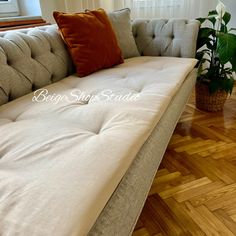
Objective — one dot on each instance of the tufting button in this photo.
(153, 36)
(97, 132)
(33, 87)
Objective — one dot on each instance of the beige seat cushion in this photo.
(60, 163)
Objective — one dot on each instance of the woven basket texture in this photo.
(209, 102)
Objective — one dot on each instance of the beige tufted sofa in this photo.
(85, 168)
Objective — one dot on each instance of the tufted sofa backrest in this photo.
(160, 37)
(33, 58)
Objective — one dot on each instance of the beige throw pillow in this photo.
(121, 23)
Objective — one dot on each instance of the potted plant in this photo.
(216, 52)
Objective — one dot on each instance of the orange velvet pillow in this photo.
(90, 39)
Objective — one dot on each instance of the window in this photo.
(9, 8)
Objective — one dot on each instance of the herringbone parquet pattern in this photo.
(194, 191)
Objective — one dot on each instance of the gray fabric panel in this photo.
(159, 37)
(121, 24)
(122, 210)
(31, 59)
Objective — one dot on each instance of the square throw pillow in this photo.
(121, 24)
(90, 39)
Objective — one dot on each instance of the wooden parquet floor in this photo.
(194, 191)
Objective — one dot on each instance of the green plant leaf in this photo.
(225, 84)
(223, 28)
(212, 20)
(210, 46)
(214, 86)
(203, 60)
(228, 84)
(227, 17)
(200, 56)
(200, 68)
(233, 63)
(202, 41)
(204, 36)
(201, 20)
(226, 47)
(215, 49)
(206, 32)
(212, 13)
(231, 84)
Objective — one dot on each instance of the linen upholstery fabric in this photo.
(41, 57)
(159, 37)
(121, 213)
(57, 172)
(90, 39)
(30, 59)
(122, 26)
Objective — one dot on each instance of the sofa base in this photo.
(124, 207)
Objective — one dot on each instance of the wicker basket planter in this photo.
(209, 102)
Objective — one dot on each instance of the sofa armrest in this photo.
(160, 37)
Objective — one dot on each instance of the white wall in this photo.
(231, 7)
(48, 6)
(29, 7)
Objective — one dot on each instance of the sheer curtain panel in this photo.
(167, 8)
(75, 5)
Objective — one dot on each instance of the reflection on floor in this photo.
(194, 191)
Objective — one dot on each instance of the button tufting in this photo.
(14, 120)
(98, 132)
(95, 132)
(33, 87)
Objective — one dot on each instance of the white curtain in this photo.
(188, 9)
(81, 5)
(48, 6)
